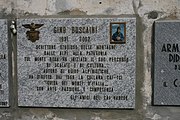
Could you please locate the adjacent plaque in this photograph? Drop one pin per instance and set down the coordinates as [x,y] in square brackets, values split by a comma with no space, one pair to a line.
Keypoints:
[167,63]
[4,83]
[76,62]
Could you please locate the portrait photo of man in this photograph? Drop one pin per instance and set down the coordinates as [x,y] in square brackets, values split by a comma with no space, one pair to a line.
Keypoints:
[118,33]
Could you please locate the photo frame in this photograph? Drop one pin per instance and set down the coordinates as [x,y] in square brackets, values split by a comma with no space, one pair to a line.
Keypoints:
[118,33]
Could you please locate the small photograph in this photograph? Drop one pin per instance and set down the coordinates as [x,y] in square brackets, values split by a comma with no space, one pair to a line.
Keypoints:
[118,33]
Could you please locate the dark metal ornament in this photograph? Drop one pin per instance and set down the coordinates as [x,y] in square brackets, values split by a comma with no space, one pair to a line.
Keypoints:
[33,34]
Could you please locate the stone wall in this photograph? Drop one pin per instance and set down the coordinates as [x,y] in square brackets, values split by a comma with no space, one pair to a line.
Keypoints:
[146,12]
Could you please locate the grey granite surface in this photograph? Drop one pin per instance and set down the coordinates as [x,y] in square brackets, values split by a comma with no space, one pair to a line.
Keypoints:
[4,81]
[56,88]
[167,63]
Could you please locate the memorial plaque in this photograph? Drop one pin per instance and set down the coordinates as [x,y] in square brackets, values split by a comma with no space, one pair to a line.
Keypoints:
[167,63]
[76,62]
[4,83]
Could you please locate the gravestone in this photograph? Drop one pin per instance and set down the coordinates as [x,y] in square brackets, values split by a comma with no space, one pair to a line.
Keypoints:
[4,74]
[167,63]
[76,62]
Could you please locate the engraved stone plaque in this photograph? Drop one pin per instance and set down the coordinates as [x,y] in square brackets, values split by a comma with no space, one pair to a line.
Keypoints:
[167,63]
[76,62]
[4,83]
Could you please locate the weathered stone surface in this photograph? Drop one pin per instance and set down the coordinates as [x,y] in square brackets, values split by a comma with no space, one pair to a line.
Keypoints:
[4,83]
[58,72]
[166,63]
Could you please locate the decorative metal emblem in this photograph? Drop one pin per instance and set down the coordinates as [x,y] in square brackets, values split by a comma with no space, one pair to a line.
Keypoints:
[33,34]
